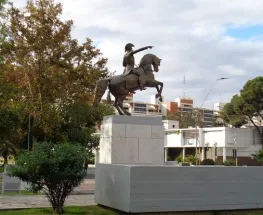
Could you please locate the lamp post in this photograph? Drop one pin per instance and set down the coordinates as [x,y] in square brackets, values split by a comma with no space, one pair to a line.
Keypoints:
[215,145]
[196,115]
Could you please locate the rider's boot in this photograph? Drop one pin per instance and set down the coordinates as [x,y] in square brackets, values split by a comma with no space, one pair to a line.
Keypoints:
[141,84]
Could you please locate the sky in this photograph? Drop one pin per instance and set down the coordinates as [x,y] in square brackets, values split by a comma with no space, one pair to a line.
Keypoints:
[198,41]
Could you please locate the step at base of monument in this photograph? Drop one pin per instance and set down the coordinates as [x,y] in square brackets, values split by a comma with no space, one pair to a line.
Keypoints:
[161,188]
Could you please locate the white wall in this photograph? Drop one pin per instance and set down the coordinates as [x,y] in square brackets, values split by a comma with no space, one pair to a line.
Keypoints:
[214,136]
[173,140]
[170,124]
[222,136]
[164,109]
[244,136]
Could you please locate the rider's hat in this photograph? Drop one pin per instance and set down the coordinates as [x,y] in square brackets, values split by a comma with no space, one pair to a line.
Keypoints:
[128,46]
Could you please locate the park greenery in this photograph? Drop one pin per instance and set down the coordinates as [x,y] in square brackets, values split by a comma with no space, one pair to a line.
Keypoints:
[247,106]
[54,169]
[258,156]
[96,210]
[76,210]
[47,79]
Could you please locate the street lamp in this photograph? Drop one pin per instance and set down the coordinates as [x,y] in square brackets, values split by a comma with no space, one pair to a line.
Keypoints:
[219,79]
[196,115]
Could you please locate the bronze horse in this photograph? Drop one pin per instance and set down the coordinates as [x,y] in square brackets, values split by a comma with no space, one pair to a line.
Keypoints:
[120,86]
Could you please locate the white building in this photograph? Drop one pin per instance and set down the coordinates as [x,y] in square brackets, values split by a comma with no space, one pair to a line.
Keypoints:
[218,107]
[170,124]
[216,143]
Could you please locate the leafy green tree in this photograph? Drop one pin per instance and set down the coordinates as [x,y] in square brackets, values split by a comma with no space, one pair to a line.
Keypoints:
[79,121]
[54,169]
[3,16]
[245,107]
[230,116]
[10,134]
[48,69]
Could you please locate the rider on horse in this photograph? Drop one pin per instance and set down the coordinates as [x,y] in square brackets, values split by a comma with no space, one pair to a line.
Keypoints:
[129,62]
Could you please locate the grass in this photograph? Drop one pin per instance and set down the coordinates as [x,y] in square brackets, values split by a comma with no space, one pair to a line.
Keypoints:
[97,210]
[1,169]
[76,210]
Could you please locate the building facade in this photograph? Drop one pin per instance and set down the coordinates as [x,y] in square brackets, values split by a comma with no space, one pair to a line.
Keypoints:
[218,143]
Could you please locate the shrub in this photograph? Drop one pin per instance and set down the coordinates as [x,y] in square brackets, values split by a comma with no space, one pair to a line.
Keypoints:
[54,169]
[187,159]
[179,158]
[258,155]
[208,162]
[190,159]
[229,162]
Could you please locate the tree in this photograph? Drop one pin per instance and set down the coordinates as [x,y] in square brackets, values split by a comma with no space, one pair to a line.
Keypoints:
[54,169]
[230,116]
[2,22]
[245,107]
[79,121]
[10,134]
[48,69]
[186,119]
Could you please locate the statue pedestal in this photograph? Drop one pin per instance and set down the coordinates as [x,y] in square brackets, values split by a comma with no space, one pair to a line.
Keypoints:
[132,140]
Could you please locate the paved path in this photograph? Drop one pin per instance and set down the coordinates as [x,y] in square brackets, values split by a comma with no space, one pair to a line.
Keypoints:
[40,201]
[85,197]
[87,186]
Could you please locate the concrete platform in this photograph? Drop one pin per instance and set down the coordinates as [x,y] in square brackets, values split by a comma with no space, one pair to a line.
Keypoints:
[161,188]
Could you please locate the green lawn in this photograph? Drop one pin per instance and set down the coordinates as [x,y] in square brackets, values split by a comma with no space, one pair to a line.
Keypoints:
[88,210]
[96,210]
[1,169]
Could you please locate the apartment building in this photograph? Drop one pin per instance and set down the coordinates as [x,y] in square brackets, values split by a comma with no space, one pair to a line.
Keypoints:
[156,108]
[207,117]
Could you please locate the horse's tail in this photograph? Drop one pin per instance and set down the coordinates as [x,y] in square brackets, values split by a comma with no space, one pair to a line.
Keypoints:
[101,86]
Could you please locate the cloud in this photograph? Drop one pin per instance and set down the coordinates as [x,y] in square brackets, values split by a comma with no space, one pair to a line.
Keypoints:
[191,36]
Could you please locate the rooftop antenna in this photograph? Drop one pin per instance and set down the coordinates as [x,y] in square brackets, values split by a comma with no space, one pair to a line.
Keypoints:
[184,86]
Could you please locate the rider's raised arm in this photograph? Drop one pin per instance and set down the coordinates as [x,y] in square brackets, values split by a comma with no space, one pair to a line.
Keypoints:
[141,49]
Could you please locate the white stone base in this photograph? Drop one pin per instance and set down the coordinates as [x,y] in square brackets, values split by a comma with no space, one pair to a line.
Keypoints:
[132,140]
[161,188]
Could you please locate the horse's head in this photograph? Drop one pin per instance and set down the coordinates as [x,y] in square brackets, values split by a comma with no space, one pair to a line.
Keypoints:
[156,63]
[148,60]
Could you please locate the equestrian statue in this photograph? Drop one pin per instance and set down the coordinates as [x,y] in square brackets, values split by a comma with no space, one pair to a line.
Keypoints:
[132,79]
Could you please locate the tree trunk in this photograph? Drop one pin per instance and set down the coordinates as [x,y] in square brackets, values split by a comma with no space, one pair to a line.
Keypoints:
[57,199]
[5,156]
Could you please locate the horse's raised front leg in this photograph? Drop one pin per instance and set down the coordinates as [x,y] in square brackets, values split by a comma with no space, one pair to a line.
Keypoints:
[160,91]
[156,84]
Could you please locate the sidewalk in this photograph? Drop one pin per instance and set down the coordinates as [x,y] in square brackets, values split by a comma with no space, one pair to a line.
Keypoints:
[40,201]
[86,187]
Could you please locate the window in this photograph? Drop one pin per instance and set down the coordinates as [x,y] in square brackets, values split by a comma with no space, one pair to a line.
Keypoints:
[139,105]
[139,110]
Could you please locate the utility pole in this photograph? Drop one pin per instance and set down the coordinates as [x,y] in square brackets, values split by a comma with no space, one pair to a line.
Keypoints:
[219,79]
[235,153]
